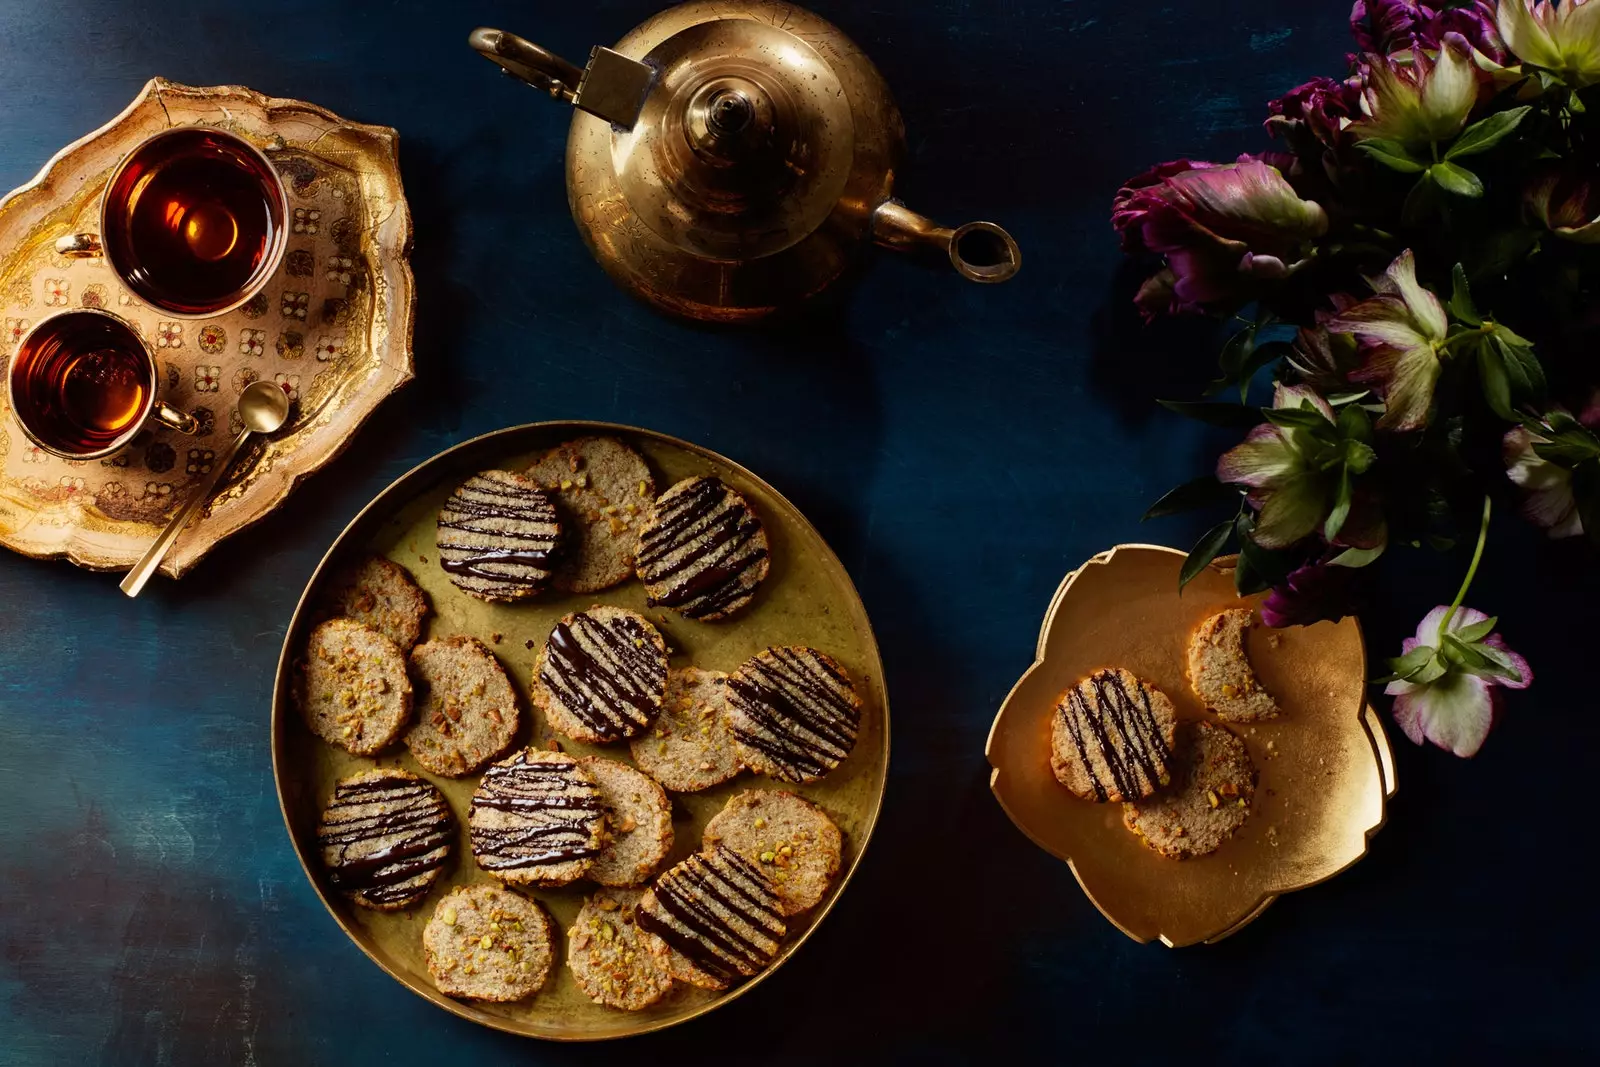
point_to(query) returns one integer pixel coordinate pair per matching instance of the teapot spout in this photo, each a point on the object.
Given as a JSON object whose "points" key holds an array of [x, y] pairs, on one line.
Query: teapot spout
{"points": [[979, 251]]}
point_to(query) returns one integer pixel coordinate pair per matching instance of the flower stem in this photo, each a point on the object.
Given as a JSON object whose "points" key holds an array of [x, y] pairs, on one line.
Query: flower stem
{"points": [[1472, 570]]}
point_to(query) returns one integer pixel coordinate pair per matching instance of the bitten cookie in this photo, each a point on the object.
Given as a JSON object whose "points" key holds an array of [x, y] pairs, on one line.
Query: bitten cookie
{"points": [[712, 919], [601, 675], [466, 709], [607, 953], [791, 838], [690, 747], [354, 692], [382, 594], [385, 837], [1220, 671], [602, 490], [1111, 737], [794, 713], [537, 818], [488, 943], [498, 535], [639, 817], [702, 550], [1213, 784]]}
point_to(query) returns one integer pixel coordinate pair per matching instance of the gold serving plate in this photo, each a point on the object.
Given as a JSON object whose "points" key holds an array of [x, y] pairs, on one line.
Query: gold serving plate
{"points": [[1326, 769], [333, 327], [807, 599]]}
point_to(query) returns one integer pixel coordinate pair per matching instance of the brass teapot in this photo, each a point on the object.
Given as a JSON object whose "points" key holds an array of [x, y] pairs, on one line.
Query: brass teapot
{"points": [[727, 159]]}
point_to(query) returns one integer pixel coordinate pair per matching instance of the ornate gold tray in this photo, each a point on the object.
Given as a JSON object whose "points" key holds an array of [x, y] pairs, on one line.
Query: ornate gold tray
{"points": [[1326, 769], [333, 327], [807, 599]]}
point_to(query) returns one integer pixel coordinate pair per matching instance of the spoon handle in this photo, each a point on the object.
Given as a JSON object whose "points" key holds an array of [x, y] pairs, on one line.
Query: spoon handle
{"points": [[141, 572]]}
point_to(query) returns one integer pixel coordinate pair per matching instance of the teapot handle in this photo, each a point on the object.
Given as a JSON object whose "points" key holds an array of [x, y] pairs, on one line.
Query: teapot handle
{"points": [[612, 87], [539, 67]]}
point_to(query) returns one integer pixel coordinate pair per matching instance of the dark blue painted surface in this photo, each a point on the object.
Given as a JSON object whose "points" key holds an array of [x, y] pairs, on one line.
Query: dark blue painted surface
{"points": [[961, 448]]}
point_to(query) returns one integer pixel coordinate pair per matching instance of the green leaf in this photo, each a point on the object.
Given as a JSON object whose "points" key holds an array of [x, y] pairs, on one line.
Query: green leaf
{"points": [[1484, 135], [1567, 447], [1200, 493], [1234, 416], [1411, 666], [1477, 631], [1298, 418], [1259, 568], [1476, 659], [1270, 352], [1393, 155], [1455, 179], [1496, 382], [1205, 550], [1356, 557], [1359, 457], [1341, 506], [1355, 424], [1523, 369], [1461, 305]]}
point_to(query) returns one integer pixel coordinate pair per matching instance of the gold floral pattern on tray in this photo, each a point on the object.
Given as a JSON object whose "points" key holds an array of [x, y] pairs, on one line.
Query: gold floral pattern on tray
{"points": [[333, 327]]}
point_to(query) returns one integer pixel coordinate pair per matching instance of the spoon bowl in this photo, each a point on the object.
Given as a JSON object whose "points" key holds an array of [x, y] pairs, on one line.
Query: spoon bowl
{"points": [[264, 407]]}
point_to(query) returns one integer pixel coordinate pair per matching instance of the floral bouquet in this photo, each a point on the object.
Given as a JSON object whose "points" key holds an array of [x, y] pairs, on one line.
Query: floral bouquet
{"points": [[1417, 263]]}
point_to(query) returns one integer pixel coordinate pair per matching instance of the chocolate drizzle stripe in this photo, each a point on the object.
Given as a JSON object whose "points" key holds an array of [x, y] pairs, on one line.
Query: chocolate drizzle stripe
{"points": [[474, 543], [703, 537], [409, 837], [556, 816], [1115, 714], [724, 927], [611, 675], [802, 710]]}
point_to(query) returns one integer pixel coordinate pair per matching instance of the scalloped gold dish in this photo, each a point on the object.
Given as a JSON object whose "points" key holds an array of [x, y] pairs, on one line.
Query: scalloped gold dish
{"points": [[333, 327], [1325, 769], [807, 598]]}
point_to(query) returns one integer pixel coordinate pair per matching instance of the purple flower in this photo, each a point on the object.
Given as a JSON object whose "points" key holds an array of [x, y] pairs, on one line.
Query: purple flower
{"points": [[1417, 98], [1315, 112], [1548, 501], [1564, 202], [1314, 592], [1451, 697], [1402, 330], [1389, 26], [1225, 230]]}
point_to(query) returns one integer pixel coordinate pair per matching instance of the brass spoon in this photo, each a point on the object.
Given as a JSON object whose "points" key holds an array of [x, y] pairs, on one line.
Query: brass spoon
{"points": [[263, 408]]}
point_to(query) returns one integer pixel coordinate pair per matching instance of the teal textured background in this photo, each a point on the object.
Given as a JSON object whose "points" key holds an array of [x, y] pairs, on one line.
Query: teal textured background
{"points": [[961, 447]]}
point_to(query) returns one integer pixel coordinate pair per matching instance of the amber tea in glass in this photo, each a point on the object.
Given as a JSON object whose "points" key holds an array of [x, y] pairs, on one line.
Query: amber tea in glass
{"points": [[82, 384]]}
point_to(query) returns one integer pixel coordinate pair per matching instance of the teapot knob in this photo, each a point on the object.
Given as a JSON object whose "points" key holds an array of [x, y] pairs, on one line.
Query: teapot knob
{"points": [[612, 87]]}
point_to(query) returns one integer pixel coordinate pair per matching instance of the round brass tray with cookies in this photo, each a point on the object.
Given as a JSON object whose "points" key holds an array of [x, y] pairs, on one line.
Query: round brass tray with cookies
{"points": [[1189, 764], [579, 730]]}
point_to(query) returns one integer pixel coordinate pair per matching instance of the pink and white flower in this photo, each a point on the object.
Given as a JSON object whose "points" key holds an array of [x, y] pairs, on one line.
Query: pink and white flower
{"points": [[1457, 709]]}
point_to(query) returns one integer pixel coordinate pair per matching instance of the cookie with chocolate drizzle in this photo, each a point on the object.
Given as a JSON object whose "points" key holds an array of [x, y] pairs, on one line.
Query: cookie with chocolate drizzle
{"points": [[1112, 736], [537, 818], [601, 675], [498, 535], [385, 837], [702, 550], [713, 919], [794, 712]]}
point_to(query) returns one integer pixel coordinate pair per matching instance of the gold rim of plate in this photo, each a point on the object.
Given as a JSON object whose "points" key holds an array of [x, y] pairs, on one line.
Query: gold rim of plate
{"points": [[340, 174], [1323, 784], [808, 598]]}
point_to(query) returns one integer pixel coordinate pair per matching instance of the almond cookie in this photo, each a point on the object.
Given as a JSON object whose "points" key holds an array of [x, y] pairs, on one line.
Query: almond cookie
{"points": [[353, 688], [690, 747], [537, 818], [1111, 737], [601, 675], [602, 490], [712, 919], [702, 550], [640, 819], [487, 943], [498, 535], [794, 713], [1213, 784], [1220, 672], [466, 709], [791, 838], [385, 837], [382, 594], [607, 953]]}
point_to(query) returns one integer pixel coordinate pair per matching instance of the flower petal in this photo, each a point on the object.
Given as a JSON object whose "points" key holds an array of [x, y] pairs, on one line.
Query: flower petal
{"points": [[1448, 93], [1406, 377], [1384, 318], [1455, 712], [1423, 305], [1516, 662], [1292, 512], [1265, 459], [1527, 38]]}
